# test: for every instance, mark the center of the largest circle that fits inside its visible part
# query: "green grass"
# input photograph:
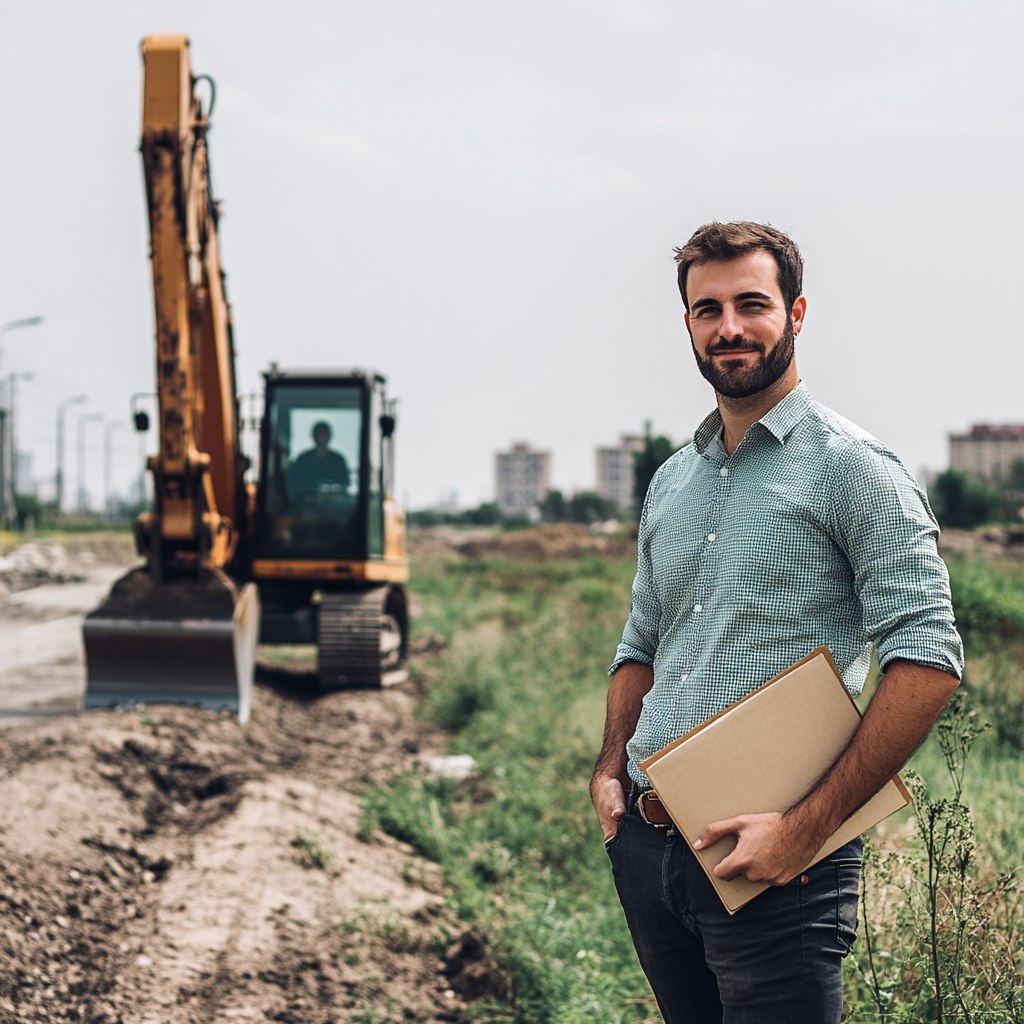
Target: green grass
(989, 599)
(521, 687)
(313, 852)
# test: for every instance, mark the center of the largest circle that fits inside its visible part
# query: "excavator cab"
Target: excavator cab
(311, 484)
(326, 465)
(329, 551)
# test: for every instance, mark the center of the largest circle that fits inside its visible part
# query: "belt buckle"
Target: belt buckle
(649, 795)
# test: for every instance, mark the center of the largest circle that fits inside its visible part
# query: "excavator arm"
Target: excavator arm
(198, 471)
(180, 629)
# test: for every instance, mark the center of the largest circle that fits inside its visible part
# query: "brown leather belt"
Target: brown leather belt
(648, 806)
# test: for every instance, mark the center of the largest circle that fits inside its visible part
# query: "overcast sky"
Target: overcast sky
(480, 199)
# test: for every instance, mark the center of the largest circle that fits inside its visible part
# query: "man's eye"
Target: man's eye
(754, 307)
(705, 313)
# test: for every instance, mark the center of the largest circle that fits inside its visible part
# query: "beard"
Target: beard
(741, 380)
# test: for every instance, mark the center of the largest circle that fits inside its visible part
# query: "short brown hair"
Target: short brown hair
(717, 241)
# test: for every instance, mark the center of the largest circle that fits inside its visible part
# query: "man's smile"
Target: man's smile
(732, 353)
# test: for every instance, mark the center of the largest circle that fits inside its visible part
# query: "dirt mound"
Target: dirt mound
(166, 866)
(101, 548)
(545, 543)
(37, 562)
(34, 563)
(992, 542)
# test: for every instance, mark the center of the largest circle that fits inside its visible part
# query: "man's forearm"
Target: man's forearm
(906, 705)
(626, 692)
(610, 780)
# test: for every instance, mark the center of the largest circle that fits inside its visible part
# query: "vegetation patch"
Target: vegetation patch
(520, 685)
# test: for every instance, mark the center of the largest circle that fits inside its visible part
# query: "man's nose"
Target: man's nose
(729, 327)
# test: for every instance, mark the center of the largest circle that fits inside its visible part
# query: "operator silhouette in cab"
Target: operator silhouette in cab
(319, 471)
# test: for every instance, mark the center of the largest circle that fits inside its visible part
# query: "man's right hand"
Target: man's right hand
(607, 785)
(609, 802)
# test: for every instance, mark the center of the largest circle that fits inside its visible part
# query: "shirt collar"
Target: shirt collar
(779, 420)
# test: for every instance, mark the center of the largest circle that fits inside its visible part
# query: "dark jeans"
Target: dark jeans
(778, 960)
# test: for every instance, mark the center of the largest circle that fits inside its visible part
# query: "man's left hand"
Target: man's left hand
(772, 847)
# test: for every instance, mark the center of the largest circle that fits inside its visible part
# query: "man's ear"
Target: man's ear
(686, 320)
(797, 313)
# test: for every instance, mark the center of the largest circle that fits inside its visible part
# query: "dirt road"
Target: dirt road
(164, 865)
(41, 640)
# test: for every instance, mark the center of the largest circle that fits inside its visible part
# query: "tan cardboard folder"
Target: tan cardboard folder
(764, 753)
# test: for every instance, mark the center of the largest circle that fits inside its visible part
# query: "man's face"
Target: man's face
(741, 332)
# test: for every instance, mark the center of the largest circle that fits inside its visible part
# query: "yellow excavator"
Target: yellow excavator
(314, 552)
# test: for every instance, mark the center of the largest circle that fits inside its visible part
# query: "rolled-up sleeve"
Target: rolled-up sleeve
(640, 636)
(889, 535)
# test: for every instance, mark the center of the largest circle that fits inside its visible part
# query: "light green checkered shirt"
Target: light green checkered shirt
(810, 533)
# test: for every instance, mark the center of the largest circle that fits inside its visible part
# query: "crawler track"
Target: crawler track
(359, 643)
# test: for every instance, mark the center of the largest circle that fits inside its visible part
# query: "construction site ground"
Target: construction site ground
(164, 865)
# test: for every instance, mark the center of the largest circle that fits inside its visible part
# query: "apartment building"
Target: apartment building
(986, 451)
(522, 478)
(615, 470)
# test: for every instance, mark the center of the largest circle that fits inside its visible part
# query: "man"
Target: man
(780, 528)
(318, 468)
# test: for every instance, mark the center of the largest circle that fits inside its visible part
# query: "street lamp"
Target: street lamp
(13, 325)
(12, 379)
(25, 321)
(61, 407)
(108, 429)
(7, 466)
(9, 452)
(83, 418)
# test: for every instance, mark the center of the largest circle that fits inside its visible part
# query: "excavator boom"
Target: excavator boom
(180, 629)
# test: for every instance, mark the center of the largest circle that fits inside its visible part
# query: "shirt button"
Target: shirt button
(724, 471)
(684, 677)
(711, 536)
(698, 607)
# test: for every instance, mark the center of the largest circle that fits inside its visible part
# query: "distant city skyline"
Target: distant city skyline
(481, 201)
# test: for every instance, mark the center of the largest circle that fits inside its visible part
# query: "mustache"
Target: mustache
(740, 345)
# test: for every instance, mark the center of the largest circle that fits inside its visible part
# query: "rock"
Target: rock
(452, 766)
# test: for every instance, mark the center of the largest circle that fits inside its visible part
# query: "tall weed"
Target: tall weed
(939, 932)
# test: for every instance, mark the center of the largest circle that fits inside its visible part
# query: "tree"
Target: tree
(487, 514)
(657, 448)
(1015, 478)
(29, 510)
(552, 508)
(961, 501)
(589, 507)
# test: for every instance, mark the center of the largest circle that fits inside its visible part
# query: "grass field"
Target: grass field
(520, 686)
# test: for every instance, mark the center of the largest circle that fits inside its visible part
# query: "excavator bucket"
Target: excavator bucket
(178, 642)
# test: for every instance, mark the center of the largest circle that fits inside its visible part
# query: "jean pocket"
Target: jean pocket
(847, 899)
(612, 840)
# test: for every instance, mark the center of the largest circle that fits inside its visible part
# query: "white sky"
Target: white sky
(481, 198)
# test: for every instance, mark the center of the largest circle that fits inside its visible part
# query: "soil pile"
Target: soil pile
(39, 562)
(36, 563)
(163, 865)
(991, 542)
(545, 543)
